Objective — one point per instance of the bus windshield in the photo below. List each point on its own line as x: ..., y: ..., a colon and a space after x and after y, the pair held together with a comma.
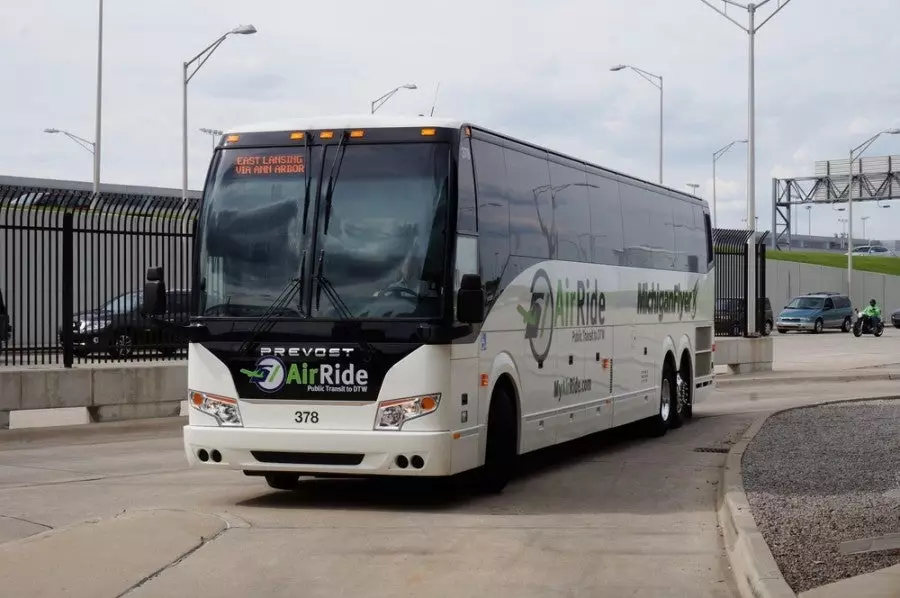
x: 377, y: 241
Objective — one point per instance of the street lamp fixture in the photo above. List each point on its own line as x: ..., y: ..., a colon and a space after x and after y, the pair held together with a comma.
x: 90, y: 146
x: 656, y: 81
x: 379, y: 102
x: 213, y: 133
x: 205, y: 54
x: 855, y: 153
x: 693, y: 187
x: 716, y: 155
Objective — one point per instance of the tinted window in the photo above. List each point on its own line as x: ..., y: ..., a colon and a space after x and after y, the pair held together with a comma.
x: 571, y: 215
x: 685, y: 238
x: 829, y: 304
x: 466, y: 190
x: 606, y: 220
x: 710, y: 255
x: 530, y: 214
x: 663, y: 229
x: 493, y: 212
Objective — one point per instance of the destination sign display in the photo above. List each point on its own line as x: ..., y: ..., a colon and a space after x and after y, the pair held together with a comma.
x: 269, y: 165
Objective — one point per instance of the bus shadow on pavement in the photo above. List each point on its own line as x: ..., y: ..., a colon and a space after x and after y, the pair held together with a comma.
x: 587, y: 475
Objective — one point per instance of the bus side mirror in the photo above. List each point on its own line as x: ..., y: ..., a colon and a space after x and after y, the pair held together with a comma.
x: 470, y: 300
x: 154, y: 300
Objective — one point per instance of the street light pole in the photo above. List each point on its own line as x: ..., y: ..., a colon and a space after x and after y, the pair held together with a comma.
x: 750, y: 30
x: 205, y: 54
x: 856, y: 151
x: 693, y: 187
x: 656, y: 81
x: 716, y: 155
x: 379, y: 102
x: 97, y: 123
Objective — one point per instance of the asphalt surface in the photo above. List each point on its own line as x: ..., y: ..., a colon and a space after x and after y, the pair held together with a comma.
x: 614, y: 515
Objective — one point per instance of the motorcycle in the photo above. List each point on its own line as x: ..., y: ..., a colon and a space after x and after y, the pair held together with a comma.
x: 864, y: 325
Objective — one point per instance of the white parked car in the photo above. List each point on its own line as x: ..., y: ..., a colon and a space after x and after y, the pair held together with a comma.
x: 874, y: 250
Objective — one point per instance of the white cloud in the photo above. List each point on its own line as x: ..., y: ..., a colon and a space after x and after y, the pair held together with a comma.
x: 533, y: 68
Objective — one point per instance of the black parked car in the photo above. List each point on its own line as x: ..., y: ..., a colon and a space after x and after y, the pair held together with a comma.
x: 5, y: 324
x: 118, y: 328
x: 895, y: 318
x: 730, y: 316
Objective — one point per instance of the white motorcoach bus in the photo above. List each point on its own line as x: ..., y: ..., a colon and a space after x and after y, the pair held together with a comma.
x: 425, y: 297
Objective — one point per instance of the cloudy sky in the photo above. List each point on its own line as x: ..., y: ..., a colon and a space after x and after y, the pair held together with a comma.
x: 536, y: 69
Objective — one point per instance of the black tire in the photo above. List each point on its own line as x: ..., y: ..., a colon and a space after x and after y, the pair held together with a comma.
x: 847, y: 325
x: 879, y: 330
x: 660, y: 423
x: 684, y: 402
x: 501, y: 448
x: 282, y: 480
x: 857, y: 328
x: 767, y: 328
x: 782, y: 331
x: 819, y: 326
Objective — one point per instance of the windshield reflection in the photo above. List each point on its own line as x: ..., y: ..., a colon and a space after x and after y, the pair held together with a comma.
x: 383, y: 252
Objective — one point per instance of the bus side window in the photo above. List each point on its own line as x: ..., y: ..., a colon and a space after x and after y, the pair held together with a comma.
x: 493, y: 214
x: 465, y: 212
x: 710, y: 256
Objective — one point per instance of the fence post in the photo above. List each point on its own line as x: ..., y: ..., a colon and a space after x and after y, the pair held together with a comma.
x: 68, y: 288
x: 761, y: 292
x: 745, y: 276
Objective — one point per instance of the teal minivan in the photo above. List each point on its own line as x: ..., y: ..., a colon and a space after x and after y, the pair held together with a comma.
x: 816, y: 312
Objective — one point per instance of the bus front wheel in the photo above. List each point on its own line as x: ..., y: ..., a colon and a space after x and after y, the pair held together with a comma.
x: 500, y: 452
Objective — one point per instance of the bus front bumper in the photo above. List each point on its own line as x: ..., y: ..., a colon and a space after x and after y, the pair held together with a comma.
x: 313, y: 452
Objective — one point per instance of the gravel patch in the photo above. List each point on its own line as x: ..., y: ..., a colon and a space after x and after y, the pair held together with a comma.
x: 819, y: 476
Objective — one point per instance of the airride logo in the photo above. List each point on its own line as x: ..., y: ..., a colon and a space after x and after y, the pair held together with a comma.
x: 653, y: 300
x: 271, y: 374
x: 584, y: 305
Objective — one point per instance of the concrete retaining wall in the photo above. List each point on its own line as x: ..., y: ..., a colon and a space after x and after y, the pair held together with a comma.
x: 106, y: 393
x: 745, y: 355
x: 785, y: 280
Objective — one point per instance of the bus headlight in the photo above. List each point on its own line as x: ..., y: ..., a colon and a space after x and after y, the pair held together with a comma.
x: 223, y: 409
x: 393, y: 414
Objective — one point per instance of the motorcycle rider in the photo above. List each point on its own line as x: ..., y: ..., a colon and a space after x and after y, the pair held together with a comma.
x: 872, y: 312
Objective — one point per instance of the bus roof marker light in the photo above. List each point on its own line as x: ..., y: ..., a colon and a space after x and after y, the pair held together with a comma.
x: 356, y: 133
x: 232, y: 138
x: 298, y: 135
x: 326, y: 134
x: 428, y: 132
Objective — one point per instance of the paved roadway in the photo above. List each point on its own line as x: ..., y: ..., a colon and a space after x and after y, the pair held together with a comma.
x: 614, y: 516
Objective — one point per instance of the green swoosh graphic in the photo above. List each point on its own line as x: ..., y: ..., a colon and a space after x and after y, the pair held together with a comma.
x: 253, y: 373
x: 528, y: 316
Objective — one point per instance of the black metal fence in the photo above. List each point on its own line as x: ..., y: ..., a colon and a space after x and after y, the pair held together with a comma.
x: 72, y: 267
x: 732, y: 275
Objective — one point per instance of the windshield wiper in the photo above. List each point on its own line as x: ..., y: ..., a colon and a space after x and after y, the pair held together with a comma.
x: 266, y: 321
x: 339, y: 304
x: 332, y: 180
x: 306, y: 152
x: 333, y: 295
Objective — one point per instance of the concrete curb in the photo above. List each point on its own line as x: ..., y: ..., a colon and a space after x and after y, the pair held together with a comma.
x: 755, y: 572
x: 753, y: 567
x: 824, y: 377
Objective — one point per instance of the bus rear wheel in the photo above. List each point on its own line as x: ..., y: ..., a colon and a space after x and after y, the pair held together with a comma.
x: 660, y: 423
x: 500, y: 452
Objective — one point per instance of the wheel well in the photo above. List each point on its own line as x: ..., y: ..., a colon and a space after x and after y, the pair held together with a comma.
x: 686, y: 363
x: 669, y: 361
x: 505, y: 383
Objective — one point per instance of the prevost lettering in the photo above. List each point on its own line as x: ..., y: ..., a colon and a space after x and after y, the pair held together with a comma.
x: 320, y: 352
x: 653, y: 300
x: 580, y: 306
